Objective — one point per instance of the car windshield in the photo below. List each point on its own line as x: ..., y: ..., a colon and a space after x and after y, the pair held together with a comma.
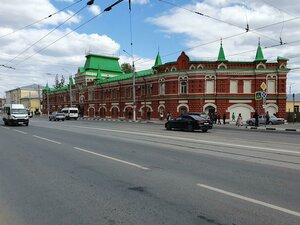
x: 73, y: 111
x: 196, y: 117
x: 60, y: 114
x: 19, y: 111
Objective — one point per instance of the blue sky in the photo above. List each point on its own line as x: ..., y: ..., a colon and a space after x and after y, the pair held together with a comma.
x: 155, y: 24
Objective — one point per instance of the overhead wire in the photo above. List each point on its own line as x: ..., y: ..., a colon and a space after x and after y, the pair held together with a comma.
x: 40, y: 20
x: 73, y: 30
x: 43, y: 37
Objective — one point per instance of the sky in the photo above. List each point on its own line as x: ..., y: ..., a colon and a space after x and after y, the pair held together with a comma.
x: 35, y: 47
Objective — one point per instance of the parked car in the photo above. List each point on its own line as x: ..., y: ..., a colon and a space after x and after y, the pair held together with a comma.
x: 190, y: 123
x: 262, y: 120
x: 56, y: 116
x: 201, y: 114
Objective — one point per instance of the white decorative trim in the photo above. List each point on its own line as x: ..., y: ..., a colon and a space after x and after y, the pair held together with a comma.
x: 240, y: 105
x: 259, y: 65
x: 240, y: 101
x: 161, y: 102
x: 115, y: 106
x: 272, y: 105
x: 127, y: 106
x: 147, y: 106
x: 128, y: 103
x: 192, y: 67
x: 115, y: 103
x: 282, y: 66
x: 102, y: 107
x: 181, y: 105
x: 200, y: 66
x: 209, y: 104
x: 271, y: 101
x: 209, y: 101
x: 222, y: 66
x: 173, y: 69
x: 160, y: 106
x: 182, y: 101
x: 148, y: 103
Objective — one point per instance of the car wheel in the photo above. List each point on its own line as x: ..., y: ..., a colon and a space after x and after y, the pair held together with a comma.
x: 63, y: 120
x: 5, y: 123
x: 26, y: 124
x: 190, y: 128
x: 204, y: 130
x: 251, y: 123
x: 169, y: 127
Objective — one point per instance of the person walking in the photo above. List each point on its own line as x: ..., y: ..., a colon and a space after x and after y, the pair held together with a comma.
x: 224, y: 118
x: 169, y: 116
x: 239, y: 121
x: 233, y: 117
x: 256, y: 118
x: 267, y: 118
x: 219, y: 118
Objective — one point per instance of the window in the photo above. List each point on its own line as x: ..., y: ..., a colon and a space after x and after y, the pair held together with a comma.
x: 142, y: 90
x: 296, y: 108
x: 247, y: 86
x: 271, y: 86
x: 162, y: 88
x: 91, y: 95
x: 126, y: 92
x: 183, y: 87
x: 210, y: 86
x: 233, y: 86
x: 149, y: 86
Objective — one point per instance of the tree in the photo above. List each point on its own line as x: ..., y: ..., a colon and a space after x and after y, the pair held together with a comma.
x: 59, y: 83
x: 126, y: 68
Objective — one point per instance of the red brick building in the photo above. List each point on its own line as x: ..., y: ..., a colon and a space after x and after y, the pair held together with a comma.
x: 222, y: 86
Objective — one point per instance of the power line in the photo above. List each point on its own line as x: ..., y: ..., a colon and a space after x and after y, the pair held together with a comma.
x: 40, y: 20
x: 94, y: 17
x: 25, y: 50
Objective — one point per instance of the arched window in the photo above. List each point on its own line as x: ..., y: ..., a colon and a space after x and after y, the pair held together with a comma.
x: 183, y: 87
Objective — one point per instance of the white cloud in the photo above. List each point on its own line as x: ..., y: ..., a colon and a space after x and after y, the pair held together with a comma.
x: 94, y: 9
x: 141, y: 2
x: 201, y: 31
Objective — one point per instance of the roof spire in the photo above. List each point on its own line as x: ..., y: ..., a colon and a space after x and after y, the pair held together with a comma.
x: 158, y: 61
x: 221, y: 56
x: 259, y: 54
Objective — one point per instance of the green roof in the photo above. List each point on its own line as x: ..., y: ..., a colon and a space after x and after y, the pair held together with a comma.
x: 103, y: 63
x: 221, y: 56
x: 259, y: 54
x: 158, y: 61
x: 282, y: 58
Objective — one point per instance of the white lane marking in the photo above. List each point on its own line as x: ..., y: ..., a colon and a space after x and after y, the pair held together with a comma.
x: 194, y: 140
x: 111, y: 158
x: 22, y: 132
x: 46, y: 139
x: 6, y: 128
x: 251, y: 200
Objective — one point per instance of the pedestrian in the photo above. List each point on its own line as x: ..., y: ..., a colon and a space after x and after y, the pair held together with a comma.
x: 256, y: 118
x: 239, y: 121
x: 215, y: 118
x: 219, y: 119
x: 161, y: 115
x: 233, y: 117
x: 169, y: 116
x: 267, y: 118
x: 224, y: 118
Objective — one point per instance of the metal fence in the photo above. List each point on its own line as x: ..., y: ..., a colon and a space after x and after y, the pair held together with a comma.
x: 293, y: 117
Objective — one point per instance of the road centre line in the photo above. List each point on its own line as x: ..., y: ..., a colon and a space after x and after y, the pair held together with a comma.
x: 111, y: 158
x: 46, y: 139
x: 294, y: 213
x: 22, y: 132
x: 195, y: 141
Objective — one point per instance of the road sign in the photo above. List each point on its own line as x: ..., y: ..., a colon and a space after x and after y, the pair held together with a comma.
x: 264, y: 94
x: 263, y: 86
x: 258, y: 95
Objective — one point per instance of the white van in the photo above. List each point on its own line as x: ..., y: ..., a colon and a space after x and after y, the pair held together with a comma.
x: 15, y: 114
x: 71, y: 113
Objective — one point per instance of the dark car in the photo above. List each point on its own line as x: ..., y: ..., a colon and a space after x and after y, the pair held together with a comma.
x: 190, y: 123
x: 201, y: 114
x: 56, y: 116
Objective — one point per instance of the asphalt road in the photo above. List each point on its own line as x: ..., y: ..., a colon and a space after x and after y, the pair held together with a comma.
x: 92, y: 172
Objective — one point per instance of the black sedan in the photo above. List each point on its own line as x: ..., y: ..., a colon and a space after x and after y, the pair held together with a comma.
x: 189, y: 123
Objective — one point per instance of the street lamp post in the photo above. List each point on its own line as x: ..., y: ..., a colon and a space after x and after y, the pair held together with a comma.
x: 133, y: 86
x: 70, y: 84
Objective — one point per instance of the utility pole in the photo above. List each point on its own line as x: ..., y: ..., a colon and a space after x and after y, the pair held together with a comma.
x: 70, y: 84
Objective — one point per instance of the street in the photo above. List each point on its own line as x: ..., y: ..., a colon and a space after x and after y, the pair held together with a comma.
x: 96, y: 172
